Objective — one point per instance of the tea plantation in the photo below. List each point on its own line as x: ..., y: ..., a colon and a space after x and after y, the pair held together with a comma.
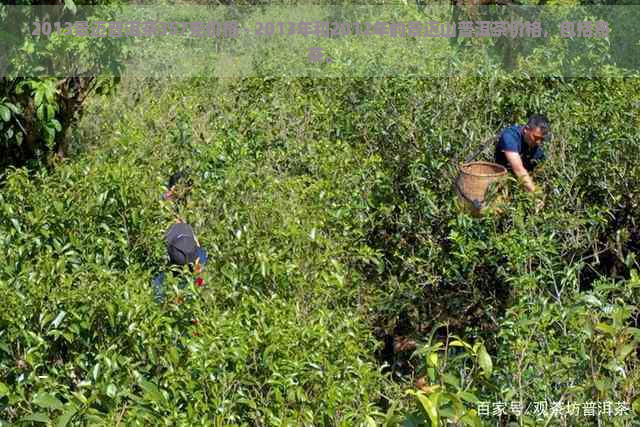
x: 344, y: 284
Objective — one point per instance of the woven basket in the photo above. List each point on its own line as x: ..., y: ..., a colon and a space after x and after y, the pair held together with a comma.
x: 473, y: 181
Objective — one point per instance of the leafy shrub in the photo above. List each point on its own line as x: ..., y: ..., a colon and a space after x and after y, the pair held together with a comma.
x: 327, y: 209
x: 36, y: 111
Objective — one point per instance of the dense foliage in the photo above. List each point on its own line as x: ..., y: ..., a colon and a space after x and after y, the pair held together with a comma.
x: 344, y: 286
x: 328, y: 211
x: 38, y: 108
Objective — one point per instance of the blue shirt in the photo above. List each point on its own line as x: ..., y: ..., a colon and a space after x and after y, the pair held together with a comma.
x: 512, y: 139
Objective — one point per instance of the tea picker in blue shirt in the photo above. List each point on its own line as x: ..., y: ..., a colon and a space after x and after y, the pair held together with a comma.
x: 519, y: 148
x: 183, y: 248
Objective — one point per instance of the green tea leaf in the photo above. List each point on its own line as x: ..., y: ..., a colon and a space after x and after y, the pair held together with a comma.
x: 370, y: 422
x: 111, y: 390
x: 429, y: 408
x: 64, y: 419
x: 625, y: 350
x: 5, y: 113
x: 485, y: 361
x: 152, y: 392
x: 433, y: 359
x: 48, y: 401
x: 12, y: 107
x: 455, y: 401
x: 38, y: 417
x: 56, y: 124
x: 468, y: 397
x: 592, y: 300
x: 607, y: 329
x: 58, y: 319
x: 471, y: 419
x: 458, y: 343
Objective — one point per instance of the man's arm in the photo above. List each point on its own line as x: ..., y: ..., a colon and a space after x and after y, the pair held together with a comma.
x: 518, y: 168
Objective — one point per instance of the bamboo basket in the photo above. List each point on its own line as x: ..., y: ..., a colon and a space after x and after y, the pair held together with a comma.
x: 472, y: 183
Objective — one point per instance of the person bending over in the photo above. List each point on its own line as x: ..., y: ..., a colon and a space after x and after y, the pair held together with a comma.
x: 519, y: 148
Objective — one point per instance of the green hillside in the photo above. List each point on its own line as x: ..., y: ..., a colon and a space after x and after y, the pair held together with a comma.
x: 344, y: 286
x: 331, y: 225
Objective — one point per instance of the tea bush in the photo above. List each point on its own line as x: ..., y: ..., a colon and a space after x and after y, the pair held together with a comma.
x: 81, y: 245
x: 37, y: 107
x: 327, y: 209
